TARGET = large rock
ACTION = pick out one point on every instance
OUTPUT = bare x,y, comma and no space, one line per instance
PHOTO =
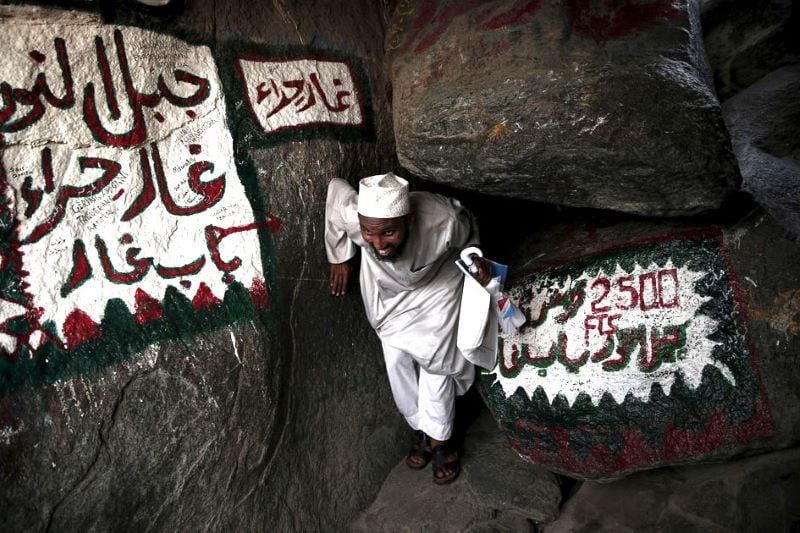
648,344
565,102
753,495
215,415
764,121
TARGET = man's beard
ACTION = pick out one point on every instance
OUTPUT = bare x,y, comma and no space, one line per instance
398,251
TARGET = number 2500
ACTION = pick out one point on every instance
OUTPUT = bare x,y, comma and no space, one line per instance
651,290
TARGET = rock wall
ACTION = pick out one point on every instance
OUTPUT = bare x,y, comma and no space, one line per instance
649,347
745,42
753,494
169,355
764,121
163,174
638,351
590,104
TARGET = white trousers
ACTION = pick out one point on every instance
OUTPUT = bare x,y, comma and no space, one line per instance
426,400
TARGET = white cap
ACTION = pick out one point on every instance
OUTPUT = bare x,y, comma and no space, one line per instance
383,196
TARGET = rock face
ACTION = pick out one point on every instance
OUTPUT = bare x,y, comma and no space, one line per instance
562,102
745,42
169,356
756,494
165,405
764,121
647,346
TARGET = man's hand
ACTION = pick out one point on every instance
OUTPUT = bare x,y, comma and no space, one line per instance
484,273
340,276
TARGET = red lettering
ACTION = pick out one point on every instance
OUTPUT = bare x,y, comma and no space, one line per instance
648,281
624,283
668,284
606,287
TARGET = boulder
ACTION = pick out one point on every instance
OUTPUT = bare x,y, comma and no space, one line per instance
764,121
185,408
755,494
651,344
571,102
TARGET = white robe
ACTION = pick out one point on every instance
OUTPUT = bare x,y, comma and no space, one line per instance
413,301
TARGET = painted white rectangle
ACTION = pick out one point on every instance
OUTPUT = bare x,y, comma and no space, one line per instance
292,93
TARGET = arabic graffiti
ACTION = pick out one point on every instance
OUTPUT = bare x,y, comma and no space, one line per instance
645,292
652,345
118,183
610,331
136,100
290,93
633,357
15,99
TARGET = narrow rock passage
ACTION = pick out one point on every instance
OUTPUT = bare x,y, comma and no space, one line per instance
496,491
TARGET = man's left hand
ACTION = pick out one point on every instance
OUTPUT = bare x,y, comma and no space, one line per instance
484,273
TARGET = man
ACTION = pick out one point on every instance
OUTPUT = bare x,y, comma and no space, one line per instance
412,293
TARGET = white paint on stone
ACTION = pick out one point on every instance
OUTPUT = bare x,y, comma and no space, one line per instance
733,238
599,122
7,342
36,339
588,330
8,432
10,309
235,349
162,70
149,357
291,93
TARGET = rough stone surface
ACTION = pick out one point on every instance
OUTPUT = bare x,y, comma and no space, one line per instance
756,494
745,41
764,121
409,501
500,479
283,420
594,387
243,427
561,102
497,491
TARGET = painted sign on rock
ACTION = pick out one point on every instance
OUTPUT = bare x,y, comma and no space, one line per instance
629,359
291,93
119,186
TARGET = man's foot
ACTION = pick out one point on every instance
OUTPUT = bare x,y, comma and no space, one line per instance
446,463
420,455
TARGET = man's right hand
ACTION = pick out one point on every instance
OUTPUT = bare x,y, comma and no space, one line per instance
340,276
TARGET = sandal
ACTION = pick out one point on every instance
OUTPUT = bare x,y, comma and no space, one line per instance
445,471
420,455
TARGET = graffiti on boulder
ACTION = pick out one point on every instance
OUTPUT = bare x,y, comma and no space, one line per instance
120,193
615,333
630,358
291,93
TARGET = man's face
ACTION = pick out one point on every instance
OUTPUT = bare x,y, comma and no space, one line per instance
386,236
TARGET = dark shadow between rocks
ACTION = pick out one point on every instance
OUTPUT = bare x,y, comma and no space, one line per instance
508,225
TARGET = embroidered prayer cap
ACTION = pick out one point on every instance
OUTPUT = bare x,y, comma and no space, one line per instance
383,196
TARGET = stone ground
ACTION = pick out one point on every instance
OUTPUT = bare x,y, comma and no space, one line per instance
496,491
500,492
